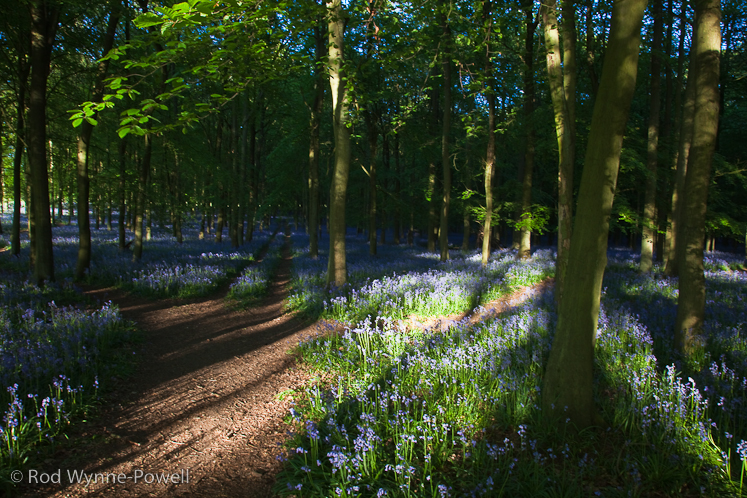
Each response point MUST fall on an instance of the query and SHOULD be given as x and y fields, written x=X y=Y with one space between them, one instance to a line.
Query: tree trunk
x=685 y=139
x=337 y=271
x=397 y=193
x=122 y=193
x=446 y=130
x=23 y=74
x=490 y=152
x=525 y=218
x=137 y=252
x=314 y=123
x=84 y=141
x=562 y=98
x=373 y=140
x=43 y=29
x=567 y=385
x=652 y=155
x=691 y=301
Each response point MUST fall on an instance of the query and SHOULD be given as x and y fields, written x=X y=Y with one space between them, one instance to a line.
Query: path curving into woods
x=205 y=398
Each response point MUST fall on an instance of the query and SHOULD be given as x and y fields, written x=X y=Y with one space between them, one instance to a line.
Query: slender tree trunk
x=397 y=193
x=563 y=95
x=445 y=147
x=431 y=189
x=490 y=152
x=314 y=125
x=373 y=140
x=652 y=155
x=567 y=385
x=137 y=252
x=122 y=193
x=23 y=74
x=337 y=271
x=691 y=301
x=590 y=57
x=525 y=219
x=43 y=29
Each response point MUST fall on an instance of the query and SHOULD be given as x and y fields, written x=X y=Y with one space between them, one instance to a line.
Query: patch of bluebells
x=254 y=281
x=401 y=412
x=399 y=282
x=51 y=357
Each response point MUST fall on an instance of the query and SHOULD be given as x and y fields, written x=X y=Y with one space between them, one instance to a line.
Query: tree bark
x=490 y=152
x=337 y=267
x=682 y=157
x=373 y=140
x=562 y=95
x=137 y=252
x=43 y=30
x=691 y=301
x=525 y=217
x=567 y=385
x=84 y=142
x=122 y=193
x=314 y=126
x=446 y=130
x=652 y=154
x=23 y=74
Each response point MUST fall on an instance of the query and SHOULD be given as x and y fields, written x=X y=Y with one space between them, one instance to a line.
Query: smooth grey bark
x=567 y=384
x=691 y=300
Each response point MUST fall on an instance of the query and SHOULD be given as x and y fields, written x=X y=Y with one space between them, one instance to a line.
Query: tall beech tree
x=44 y=20
x=562 y=92
x=487 y=19
x=707 y=54
x=337 y=266
x=525 y=205
x=445 y=130
x=84 y=142
x=568 y=379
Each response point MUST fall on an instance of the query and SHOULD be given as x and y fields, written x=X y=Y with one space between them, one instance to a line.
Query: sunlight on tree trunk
x=691 y=301
x=564 y=129
x=567 y=385
x=525 y=217
x=336 y=267
x=137 y=252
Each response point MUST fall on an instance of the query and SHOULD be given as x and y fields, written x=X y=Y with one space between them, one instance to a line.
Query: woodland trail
x=204 y=398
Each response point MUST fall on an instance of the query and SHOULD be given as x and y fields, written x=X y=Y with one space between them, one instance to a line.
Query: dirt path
x=205 y=399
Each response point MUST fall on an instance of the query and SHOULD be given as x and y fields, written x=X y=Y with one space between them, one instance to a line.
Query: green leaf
x=77 y=122
x=123 y=132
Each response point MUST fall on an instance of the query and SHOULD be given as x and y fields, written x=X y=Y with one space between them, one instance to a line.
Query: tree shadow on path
x=205 y=398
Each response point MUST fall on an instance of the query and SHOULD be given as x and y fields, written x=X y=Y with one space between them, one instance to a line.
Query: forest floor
x=207 y=398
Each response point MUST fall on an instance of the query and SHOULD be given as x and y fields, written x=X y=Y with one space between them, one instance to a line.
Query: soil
x=206 y=407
